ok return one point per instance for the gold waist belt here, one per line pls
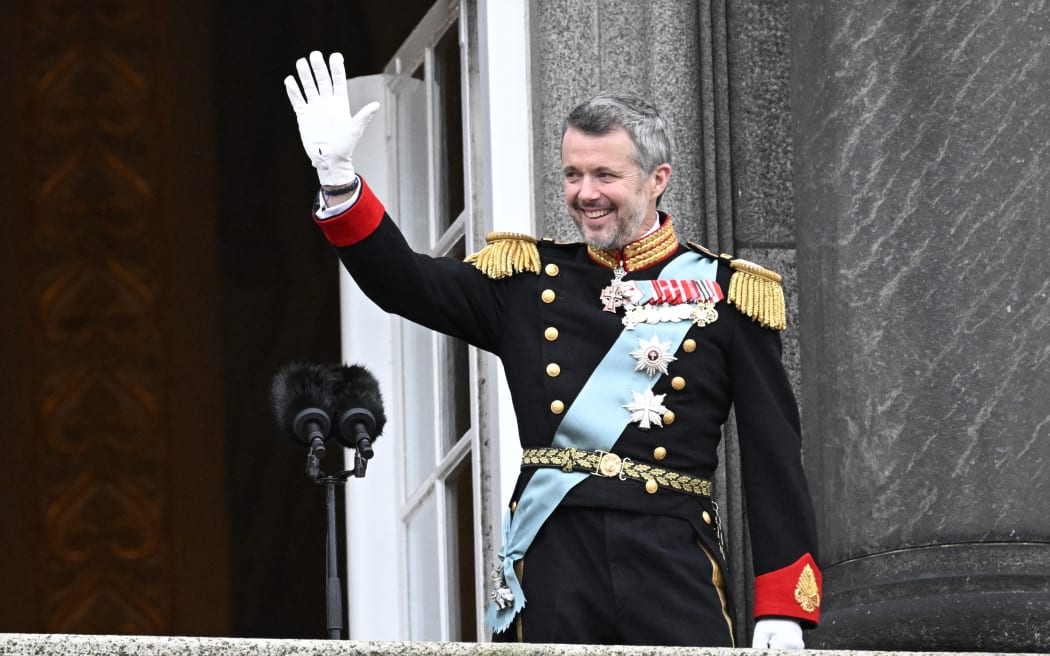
(610, 465)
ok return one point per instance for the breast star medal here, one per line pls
(647, 409)
(653, 356)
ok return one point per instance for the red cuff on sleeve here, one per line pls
(793, 591)
(357, 222)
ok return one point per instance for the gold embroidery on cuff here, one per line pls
(806, 593)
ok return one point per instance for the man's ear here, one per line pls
(658, 179)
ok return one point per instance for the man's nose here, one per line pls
(589, 188)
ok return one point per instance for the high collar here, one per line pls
(643, 253)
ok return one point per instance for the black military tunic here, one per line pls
(619, 561)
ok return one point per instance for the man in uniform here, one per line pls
(623, 354)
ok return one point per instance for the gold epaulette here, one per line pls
(506, 254)
(758, 294)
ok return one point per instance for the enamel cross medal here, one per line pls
(612, 295)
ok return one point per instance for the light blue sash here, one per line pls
(594, 422)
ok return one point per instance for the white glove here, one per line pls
(777, 634)
(328, 130)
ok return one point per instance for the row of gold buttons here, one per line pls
(678, 383)
(551, 334)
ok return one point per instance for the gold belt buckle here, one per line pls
(610, 465)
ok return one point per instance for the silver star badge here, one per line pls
(647, 409)
(653, 356)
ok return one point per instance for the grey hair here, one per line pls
(609, 109)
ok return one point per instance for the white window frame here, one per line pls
(498, 196)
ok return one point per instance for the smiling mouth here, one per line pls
(596, 213)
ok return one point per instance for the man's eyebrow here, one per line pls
(602, 168)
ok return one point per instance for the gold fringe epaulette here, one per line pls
(506, 254)
(758, 294)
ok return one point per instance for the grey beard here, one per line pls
(617, 241)
(603, 245)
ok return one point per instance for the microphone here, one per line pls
(302, 404)
(359, 405)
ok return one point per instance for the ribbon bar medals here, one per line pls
(655, 301)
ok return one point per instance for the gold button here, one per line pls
(707, 517)
(514, 506)
(669, 418)
(553, 369)
(678, 383)
(659, 453)
(552, 270)
(557, 407)
(689, 345)
(551, 334)
(651, 487)
(548, 295)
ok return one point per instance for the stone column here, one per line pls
(922, 135)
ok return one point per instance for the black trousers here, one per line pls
(596, 576)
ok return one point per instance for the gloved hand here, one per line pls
(777, 634)
(328, 130)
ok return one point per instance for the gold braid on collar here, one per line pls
(642, 253)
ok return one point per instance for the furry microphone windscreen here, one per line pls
(299, 386)
(356, 387)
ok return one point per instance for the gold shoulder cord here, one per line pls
(703, 249)
(758, 294)
(506, 254)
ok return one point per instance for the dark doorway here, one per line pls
(160, 267)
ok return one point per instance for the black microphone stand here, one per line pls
(333, 584)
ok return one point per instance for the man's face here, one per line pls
(610, 198)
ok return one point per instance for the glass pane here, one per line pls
(455, 390)
(418, 368)
(461, 537)
(448, 90)
(424, 572)
(412, 213)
